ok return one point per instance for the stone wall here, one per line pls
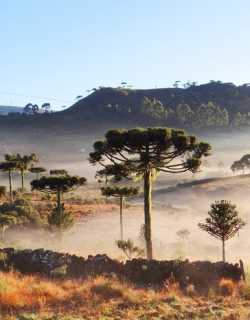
(202, 274)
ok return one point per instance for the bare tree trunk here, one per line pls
(10, 186)
(147, 213)
(22, 177)
(3, 233)
(59, 200)
(242, 270)
(121, 218)
(223, 251)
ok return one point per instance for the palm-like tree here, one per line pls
(23, 163)
(121, 193)
(9, 167)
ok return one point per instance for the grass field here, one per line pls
(27, 297)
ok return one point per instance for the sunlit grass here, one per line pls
(29, 297)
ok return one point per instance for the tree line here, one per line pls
(206, 115)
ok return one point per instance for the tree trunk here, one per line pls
(3, 229)
(22, 177)
(223, 251)
(121, 218)
(147, 213)
(10, 186)
(59, 200)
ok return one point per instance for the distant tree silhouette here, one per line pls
(28, 109)
(223, 222)
(237, 166)
(58, 172)
(35, 108)
(79, 97)
(121, 193)
(242, 164)
(9, 167)
(37, 171)
(176, 84)
(145, 152)
(23, 163)
(46, 107)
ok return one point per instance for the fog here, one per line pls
(182, 208)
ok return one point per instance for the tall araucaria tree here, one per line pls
(147, 151)
(223, 222)
(9, 167)
(121, 193)
(23, 163)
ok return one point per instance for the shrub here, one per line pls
(107, 291)
(227, 287)
(2, 191)
(60, 219)
(24, 211)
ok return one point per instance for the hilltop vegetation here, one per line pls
(211, 105)
(214, 104)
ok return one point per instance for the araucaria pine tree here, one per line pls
(58, 185)
(223, 222)
(23, 163)
(145, 152)
(121, 193)
(37, 171)
(9, 167)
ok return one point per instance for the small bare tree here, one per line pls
(121, 193)
(223, 222)
(129, 249)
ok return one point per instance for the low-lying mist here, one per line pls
(180, 209)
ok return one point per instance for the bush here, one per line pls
(107, 291)
(2, 191)
(60, 219)
(227, 287)
(23, 211)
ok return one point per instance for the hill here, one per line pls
(4, 110)
(207, 106)
(227, 95)
(214, 104)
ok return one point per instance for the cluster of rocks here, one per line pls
(201, 274)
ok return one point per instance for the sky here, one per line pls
(54, 50)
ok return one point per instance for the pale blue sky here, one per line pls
(57, 49)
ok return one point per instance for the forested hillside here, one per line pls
(214, 104)
(211, 105)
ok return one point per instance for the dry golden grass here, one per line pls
(108, 298)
